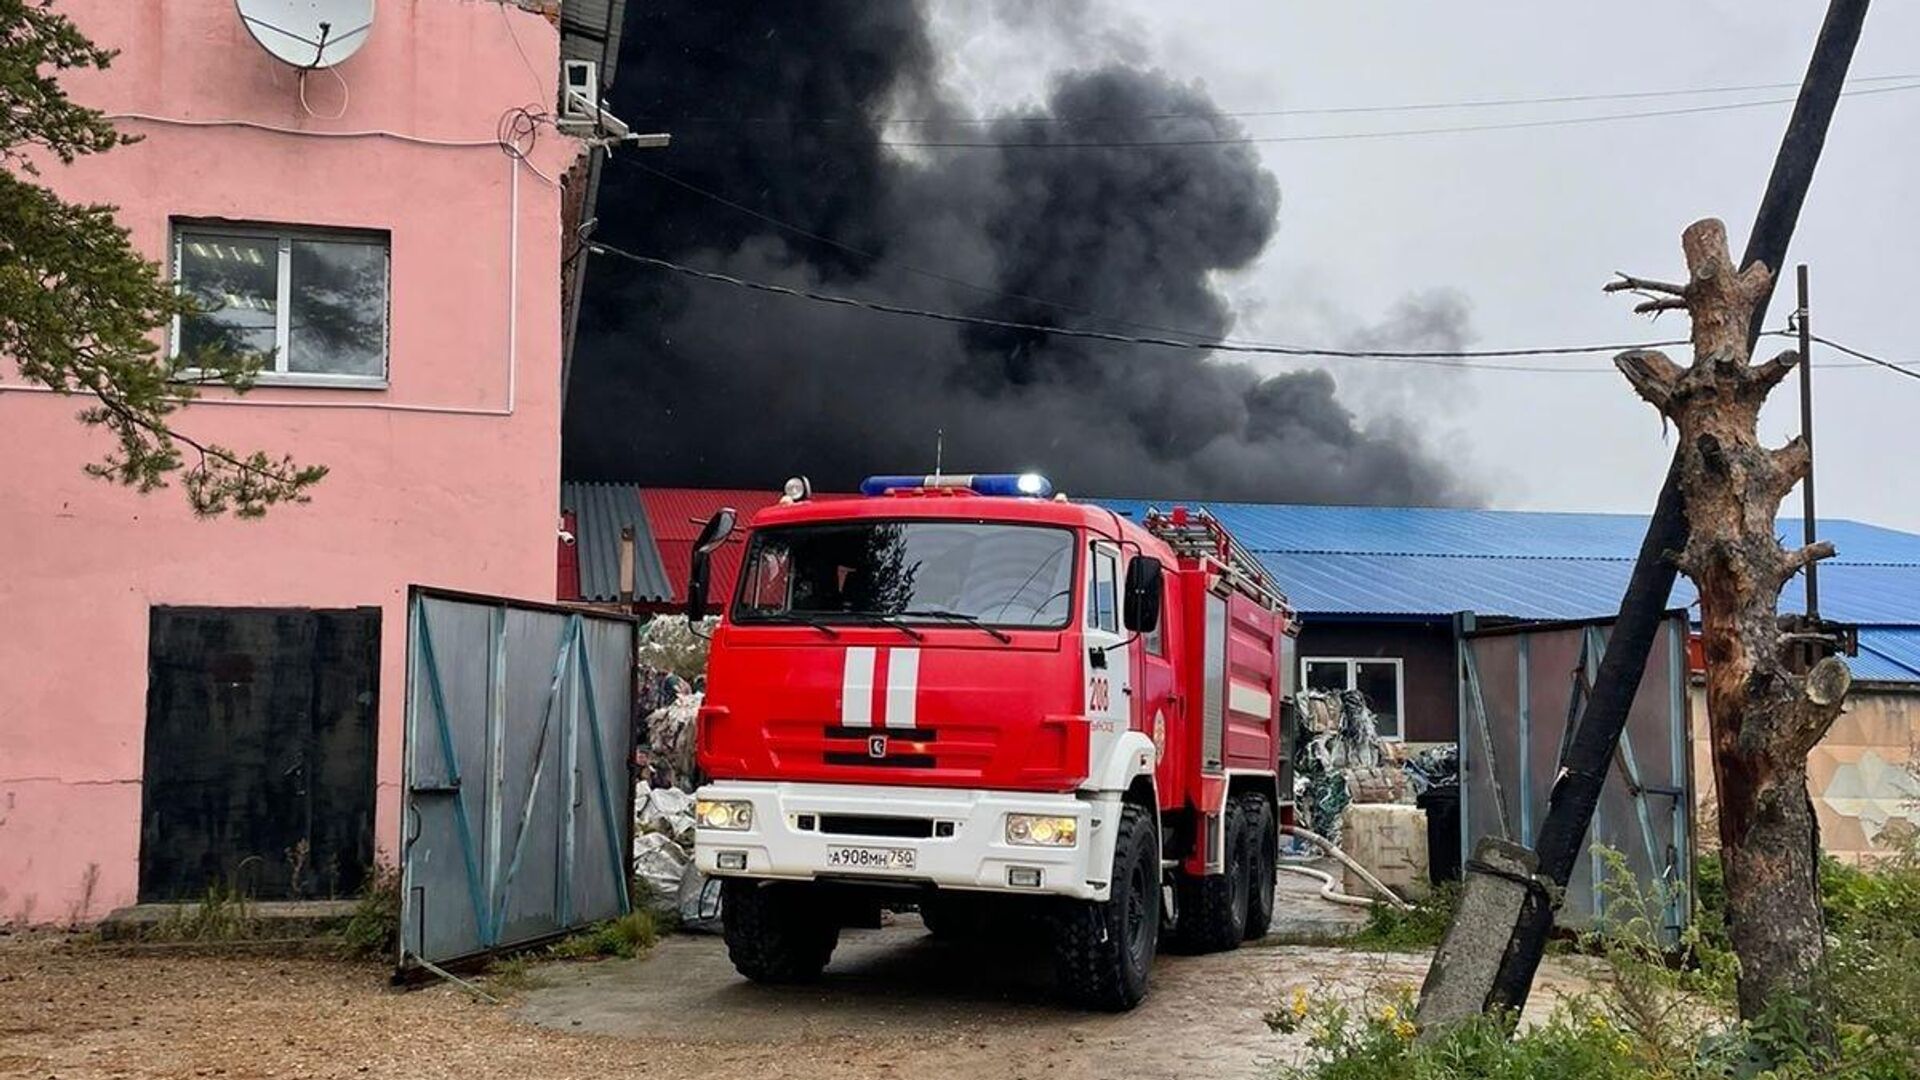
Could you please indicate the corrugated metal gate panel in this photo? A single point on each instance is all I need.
(517, 802)
(1522, 692)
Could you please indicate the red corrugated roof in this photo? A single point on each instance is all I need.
(676, 515)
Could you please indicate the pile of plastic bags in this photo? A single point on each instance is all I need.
(1340, 759)
(663, 818)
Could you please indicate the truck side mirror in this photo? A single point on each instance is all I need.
(715, 533)
(1140, 610)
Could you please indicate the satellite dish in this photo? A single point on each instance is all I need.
(308, 33)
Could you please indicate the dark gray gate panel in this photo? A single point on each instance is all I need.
(518, 803)
(1522, 692)
(259, 772)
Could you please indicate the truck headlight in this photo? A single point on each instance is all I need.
(732, 814)
(1042, 830)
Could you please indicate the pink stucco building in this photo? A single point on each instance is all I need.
(410, 275)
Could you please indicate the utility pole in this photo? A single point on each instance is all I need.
(1509, 878)
(1806, 435)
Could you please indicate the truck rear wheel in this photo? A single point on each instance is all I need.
(1213, 909)
(1104, 950)
(777, 933)
(1265, 866)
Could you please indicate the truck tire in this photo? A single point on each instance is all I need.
(1265, 865)
(776, 933)
(1103, 951)
(1213, 909)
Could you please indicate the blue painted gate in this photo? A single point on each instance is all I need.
(518, 806)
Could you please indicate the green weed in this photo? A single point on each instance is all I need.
(627, 936)
(374, 927)
(1390, 929)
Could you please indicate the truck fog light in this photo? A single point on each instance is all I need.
(731, 860)
(732, 814)
(1023, 877)
(1042, 830)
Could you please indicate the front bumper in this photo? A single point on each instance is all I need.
(976, 856)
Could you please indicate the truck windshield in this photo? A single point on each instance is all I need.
(931, 571)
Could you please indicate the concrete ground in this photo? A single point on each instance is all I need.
(894, 1004)
(897, 1003)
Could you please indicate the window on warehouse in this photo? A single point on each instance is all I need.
(1380, 679)
(313, 303)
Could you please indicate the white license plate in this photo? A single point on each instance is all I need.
(871, 858)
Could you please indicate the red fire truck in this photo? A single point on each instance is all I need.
(962, 695)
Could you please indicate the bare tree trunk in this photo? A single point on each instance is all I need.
(1764, 717)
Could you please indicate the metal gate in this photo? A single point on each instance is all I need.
(1522, 691)
(518, 807)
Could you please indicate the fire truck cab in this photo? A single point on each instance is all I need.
(961, 695)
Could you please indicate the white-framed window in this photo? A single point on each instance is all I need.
(316, 300)
(1382, 679)
(1103, 599)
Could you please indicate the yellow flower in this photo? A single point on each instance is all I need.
(1405, 1029)
(1388, 1014)
(1299, 1004)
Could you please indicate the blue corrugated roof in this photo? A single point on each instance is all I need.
(1888, 653)
(1367, 560)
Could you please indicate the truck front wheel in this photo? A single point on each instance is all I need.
(1103, 950)
(777, 932)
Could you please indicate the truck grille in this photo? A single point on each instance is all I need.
(869, 825)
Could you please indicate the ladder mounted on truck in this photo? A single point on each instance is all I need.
(1197, 534)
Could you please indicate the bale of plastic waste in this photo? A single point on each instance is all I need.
(660, 864)
(668, 811)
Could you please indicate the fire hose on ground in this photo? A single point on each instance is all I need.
(1330, 889)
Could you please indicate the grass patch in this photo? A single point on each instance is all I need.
(626, 937)
(1390, 929)
(514, 975)
(373, 930)
(1648, 1018)
(223, 914)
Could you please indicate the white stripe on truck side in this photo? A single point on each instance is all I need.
(903, 687)
(856, 688)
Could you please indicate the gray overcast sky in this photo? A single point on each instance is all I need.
(1528, 224)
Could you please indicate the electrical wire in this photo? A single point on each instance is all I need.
(1337, 110)
(522, 124)
(1437, 358)
(797, 230)
(495, 143)
(1907, 368)
(1344, 136)
(539, 84)
(346, 95)
(1457, 358)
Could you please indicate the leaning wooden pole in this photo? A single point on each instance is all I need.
(1563, 830)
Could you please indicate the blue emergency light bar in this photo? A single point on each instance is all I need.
(1031, 485)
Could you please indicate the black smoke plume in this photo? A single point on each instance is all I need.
(683, 382)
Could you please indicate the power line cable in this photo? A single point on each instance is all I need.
(1200, 338)
(1343, 136)
(1436, 358)
(1906, 368)
(1336, 110)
